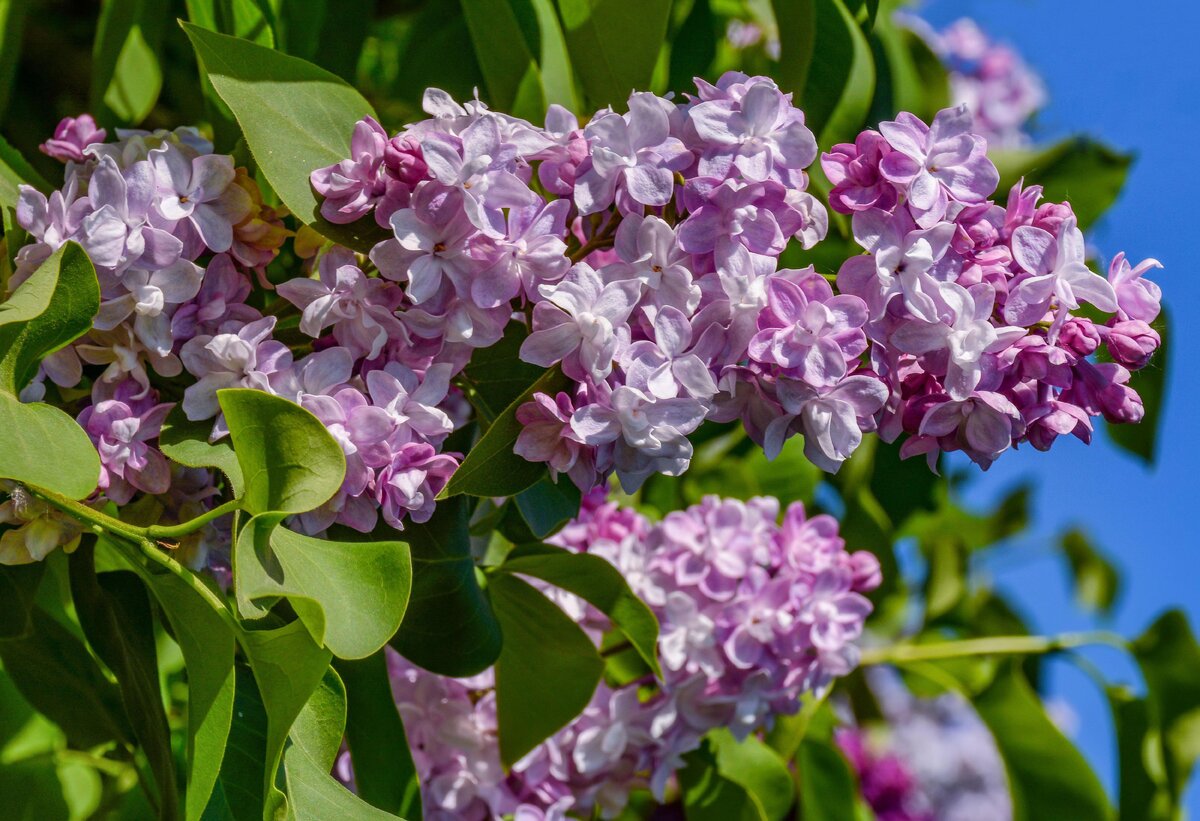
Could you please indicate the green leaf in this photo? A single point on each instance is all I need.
(614, 45)
(1097, 581)
(316, 736)
(1143, 791)
(288, 666)
(57, 675)
(449, 627)
(186, 442)
(46, 312)
(547, 671)
(828, 786)
(595, 580)
(710, 796)
(548, 505)
(514, 82)
(694, 47)
(1150, 382)
(16, 171)
(238, 791)
(208, 646)
(45, 448)
(248, 19)
(558, 75)
(114, 611)
(491, 468)
(296, 118)
(841, 66)
(797, 23)
(1170, 660)
(1088, 173)
(290, 462)
(350, 595)
(12, 26)
(496, 375)
(384, 773)
(1048, 777)
(18, 587)
(757, 769)
(126, 76)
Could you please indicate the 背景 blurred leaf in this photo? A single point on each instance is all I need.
(1088, 173)
(126, 75)
(613, 45)
(1097, 582)
(1049, 778)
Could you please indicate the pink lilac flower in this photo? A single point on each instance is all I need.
(71, 136)
(123, 428)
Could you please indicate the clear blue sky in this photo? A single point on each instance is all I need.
(1129, 74)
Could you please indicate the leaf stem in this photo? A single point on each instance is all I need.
(603, 239)
(989, 646)
(192, 525)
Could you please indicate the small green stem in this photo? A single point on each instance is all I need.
(990, 646)
(89, 515)
(603, 239)
(192, 525)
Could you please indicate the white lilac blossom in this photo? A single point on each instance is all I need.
(753, 613)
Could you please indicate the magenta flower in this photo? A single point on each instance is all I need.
(354, 186)
(546, 436)
(983, 425)
(1056, 273)
(71, 136)
(934, 164)
(808, 331)
(199, 192)
(633, 158)
(1137, 297)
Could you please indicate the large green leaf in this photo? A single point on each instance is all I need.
(614, 45)
(238, 791)
(827, 786)
(56, 674)
(1088, 173)
(313, 794)
(449, 627)
(288, 459)
(496, 376)
(1150, 382)
(547, 671)
(48, 311)
(757, 769)
(1048, 777)
(548, 505)
(16, 171)
(126, 75)
(296, 118)
(186, 442)
(596, 581)
(1170, 660)
(384, 773)
(45, 448)
(350, 595)
(514, 82)
(114, 611)
(708, 795)
(491, 468)
(288, 667)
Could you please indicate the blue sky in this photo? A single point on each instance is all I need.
(1131, 77)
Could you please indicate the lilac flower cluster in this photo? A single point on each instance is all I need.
(973, 315)
(992, 80)
(885, 781)
(752, 614)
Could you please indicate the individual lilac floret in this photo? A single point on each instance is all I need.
(761, 135)
(633, 158)
(71, 136)
(411, 401)
(808, 331)
(360, 309)
(582, 323)
(199, 192)
(531, 253)
(353, 187)
(937, 163)
(122, 428)
(243, 359)
(1137, 297)
(1057, 272)
(407, 485)
(546, 436)
(854, 171)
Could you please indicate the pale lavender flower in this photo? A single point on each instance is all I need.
(199, 192)
(243, 359)
(407, 485)
(1137, 297)
(1056, 273)
(761, 135)
(121, 429)
(531, 253)
(411, 401)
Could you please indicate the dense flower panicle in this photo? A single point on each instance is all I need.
(753, 613)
